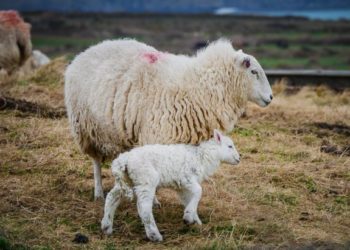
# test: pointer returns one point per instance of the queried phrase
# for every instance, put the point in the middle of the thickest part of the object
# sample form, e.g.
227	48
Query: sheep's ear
217	136
246	62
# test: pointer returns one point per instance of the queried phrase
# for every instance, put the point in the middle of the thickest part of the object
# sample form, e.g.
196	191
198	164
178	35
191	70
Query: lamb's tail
119	169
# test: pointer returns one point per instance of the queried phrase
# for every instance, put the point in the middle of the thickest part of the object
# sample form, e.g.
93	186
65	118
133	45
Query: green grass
309	183
335	62
291	156
295	35
331	62
244	132
270	63
273	198
62	41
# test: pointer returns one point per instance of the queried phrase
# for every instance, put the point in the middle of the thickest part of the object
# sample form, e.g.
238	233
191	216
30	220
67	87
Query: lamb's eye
230	146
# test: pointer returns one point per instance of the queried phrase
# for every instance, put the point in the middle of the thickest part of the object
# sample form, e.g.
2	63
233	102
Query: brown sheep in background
16	55
15	43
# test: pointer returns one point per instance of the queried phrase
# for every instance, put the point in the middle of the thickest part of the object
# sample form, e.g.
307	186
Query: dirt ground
291	189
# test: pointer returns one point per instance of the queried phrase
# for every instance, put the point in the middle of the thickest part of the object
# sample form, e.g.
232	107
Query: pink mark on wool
152	57
12	19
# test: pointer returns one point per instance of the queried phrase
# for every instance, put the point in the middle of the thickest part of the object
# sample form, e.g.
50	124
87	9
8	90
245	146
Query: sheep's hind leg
145	197
98	191
190	197
156	202
112	202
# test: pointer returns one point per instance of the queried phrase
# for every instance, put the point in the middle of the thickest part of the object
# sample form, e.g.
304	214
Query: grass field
285	193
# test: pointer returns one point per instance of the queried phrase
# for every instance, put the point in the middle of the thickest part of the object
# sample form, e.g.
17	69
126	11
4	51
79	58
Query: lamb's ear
217	136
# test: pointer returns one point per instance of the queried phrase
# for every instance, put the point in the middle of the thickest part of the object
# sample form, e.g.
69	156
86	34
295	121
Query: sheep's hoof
155	237
191	219
157	205
99	197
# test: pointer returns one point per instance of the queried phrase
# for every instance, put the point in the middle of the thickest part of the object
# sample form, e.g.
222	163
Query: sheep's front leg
145	197
98	192
191	196
112	202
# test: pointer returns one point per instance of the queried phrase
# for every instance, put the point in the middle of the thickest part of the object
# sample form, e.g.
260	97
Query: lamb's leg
112	202
98	192
191	196
145	196
156	202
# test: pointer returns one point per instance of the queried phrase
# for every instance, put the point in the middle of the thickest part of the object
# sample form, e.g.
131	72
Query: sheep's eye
254	72
230	146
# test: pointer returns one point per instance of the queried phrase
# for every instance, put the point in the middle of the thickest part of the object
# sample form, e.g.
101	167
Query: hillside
275	42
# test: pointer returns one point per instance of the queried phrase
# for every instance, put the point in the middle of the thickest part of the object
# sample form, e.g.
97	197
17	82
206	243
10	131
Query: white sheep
39	58
180	166
121	94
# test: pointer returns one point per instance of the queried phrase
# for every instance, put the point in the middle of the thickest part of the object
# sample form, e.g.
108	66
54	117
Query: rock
80	239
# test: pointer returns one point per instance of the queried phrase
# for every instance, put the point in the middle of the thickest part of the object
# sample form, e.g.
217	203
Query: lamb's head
226	150
259	90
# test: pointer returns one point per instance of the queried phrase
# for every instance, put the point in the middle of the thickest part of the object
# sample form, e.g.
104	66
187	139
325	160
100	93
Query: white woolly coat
170	165
116	98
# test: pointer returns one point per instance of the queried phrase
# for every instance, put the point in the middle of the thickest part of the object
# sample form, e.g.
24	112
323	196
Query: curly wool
124	93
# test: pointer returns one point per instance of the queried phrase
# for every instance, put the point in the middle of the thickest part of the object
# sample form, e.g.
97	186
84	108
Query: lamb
123	93
180	166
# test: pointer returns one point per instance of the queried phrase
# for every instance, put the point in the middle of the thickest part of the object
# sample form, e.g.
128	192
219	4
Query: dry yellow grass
284	194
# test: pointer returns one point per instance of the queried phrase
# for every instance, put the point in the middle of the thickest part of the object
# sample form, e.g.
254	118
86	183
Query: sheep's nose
271	97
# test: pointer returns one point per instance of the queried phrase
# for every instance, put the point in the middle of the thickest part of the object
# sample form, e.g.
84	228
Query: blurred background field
278	42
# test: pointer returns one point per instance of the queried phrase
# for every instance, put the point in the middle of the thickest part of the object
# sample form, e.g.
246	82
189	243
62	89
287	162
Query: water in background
311	14
314	14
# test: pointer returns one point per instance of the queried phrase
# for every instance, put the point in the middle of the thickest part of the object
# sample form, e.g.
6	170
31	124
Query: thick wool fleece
124	93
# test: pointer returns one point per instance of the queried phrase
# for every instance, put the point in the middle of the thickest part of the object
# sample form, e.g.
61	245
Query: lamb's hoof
106	227
155	237
189	219
198	221
107	230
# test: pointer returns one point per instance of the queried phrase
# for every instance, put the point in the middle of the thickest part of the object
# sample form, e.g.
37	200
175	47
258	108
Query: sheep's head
259	90
226	149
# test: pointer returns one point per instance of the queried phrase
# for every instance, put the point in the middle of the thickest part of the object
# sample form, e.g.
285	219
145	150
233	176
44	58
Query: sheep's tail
119	170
